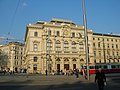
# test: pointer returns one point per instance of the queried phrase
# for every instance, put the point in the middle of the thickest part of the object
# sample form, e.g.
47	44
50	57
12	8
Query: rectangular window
35	34
98	44
73	34
34	68
58	33
93	44
35	59
35	47
94	53
108	46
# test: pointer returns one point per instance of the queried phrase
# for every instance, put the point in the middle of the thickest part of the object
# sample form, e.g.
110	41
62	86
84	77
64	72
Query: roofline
110	35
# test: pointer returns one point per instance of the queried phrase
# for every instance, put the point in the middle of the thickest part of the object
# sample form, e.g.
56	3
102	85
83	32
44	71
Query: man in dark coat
100	78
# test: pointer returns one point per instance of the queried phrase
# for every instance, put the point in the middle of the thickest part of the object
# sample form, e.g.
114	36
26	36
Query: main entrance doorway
74	66
58	67
66	66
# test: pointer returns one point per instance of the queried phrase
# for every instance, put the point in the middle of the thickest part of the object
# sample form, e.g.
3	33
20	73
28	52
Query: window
95	61
35	34
98	44
49	45
58	33
73	34
112	45
49	32
79	35
94	53
58	45
35	67
73	45
108	46
35	59
116	46
93	44
113	53
117	54
35	47
105	66
108	52
66	45
100	53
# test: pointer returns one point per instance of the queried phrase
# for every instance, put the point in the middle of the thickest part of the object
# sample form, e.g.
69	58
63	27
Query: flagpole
86	38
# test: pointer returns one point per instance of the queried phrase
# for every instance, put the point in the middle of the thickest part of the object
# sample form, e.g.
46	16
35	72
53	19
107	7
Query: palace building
56	45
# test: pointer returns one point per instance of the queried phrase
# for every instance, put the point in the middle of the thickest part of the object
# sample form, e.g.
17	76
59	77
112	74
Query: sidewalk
43	80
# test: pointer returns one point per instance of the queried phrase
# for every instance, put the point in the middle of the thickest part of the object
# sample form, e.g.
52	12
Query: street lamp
104	49
103	44
86	39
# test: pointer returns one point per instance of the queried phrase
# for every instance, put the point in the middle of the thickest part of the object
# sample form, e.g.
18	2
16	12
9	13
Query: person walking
46	72
100	79
77	73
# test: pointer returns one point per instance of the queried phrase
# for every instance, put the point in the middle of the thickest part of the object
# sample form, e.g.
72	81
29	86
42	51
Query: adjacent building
11	56
106	48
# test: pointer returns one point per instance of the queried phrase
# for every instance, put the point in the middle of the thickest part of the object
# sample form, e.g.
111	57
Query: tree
3	59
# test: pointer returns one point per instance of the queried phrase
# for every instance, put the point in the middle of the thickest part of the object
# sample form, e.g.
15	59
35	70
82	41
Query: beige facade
106	48
12	53
56	45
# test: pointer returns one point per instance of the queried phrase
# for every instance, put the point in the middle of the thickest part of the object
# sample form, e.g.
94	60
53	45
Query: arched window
73	43
66	46
58	45
57	42
49	45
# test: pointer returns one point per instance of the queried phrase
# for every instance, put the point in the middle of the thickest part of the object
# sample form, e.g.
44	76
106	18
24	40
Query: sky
103	16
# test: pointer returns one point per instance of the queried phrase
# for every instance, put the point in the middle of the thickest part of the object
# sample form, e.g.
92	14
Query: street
58	82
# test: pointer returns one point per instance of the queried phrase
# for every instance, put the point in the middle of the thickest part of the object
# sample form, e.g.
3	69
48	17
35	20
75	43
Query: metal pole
48	52
86	39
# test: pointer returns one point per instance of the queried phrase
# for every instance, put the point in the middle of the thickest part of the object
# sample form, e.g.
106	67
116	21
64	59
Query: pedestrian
77	73
100	79
46	72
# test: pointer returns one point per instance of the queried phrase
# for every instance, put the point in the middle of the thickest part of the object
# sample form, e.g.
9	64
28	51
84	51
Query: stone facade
106	48
56	45
11	56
